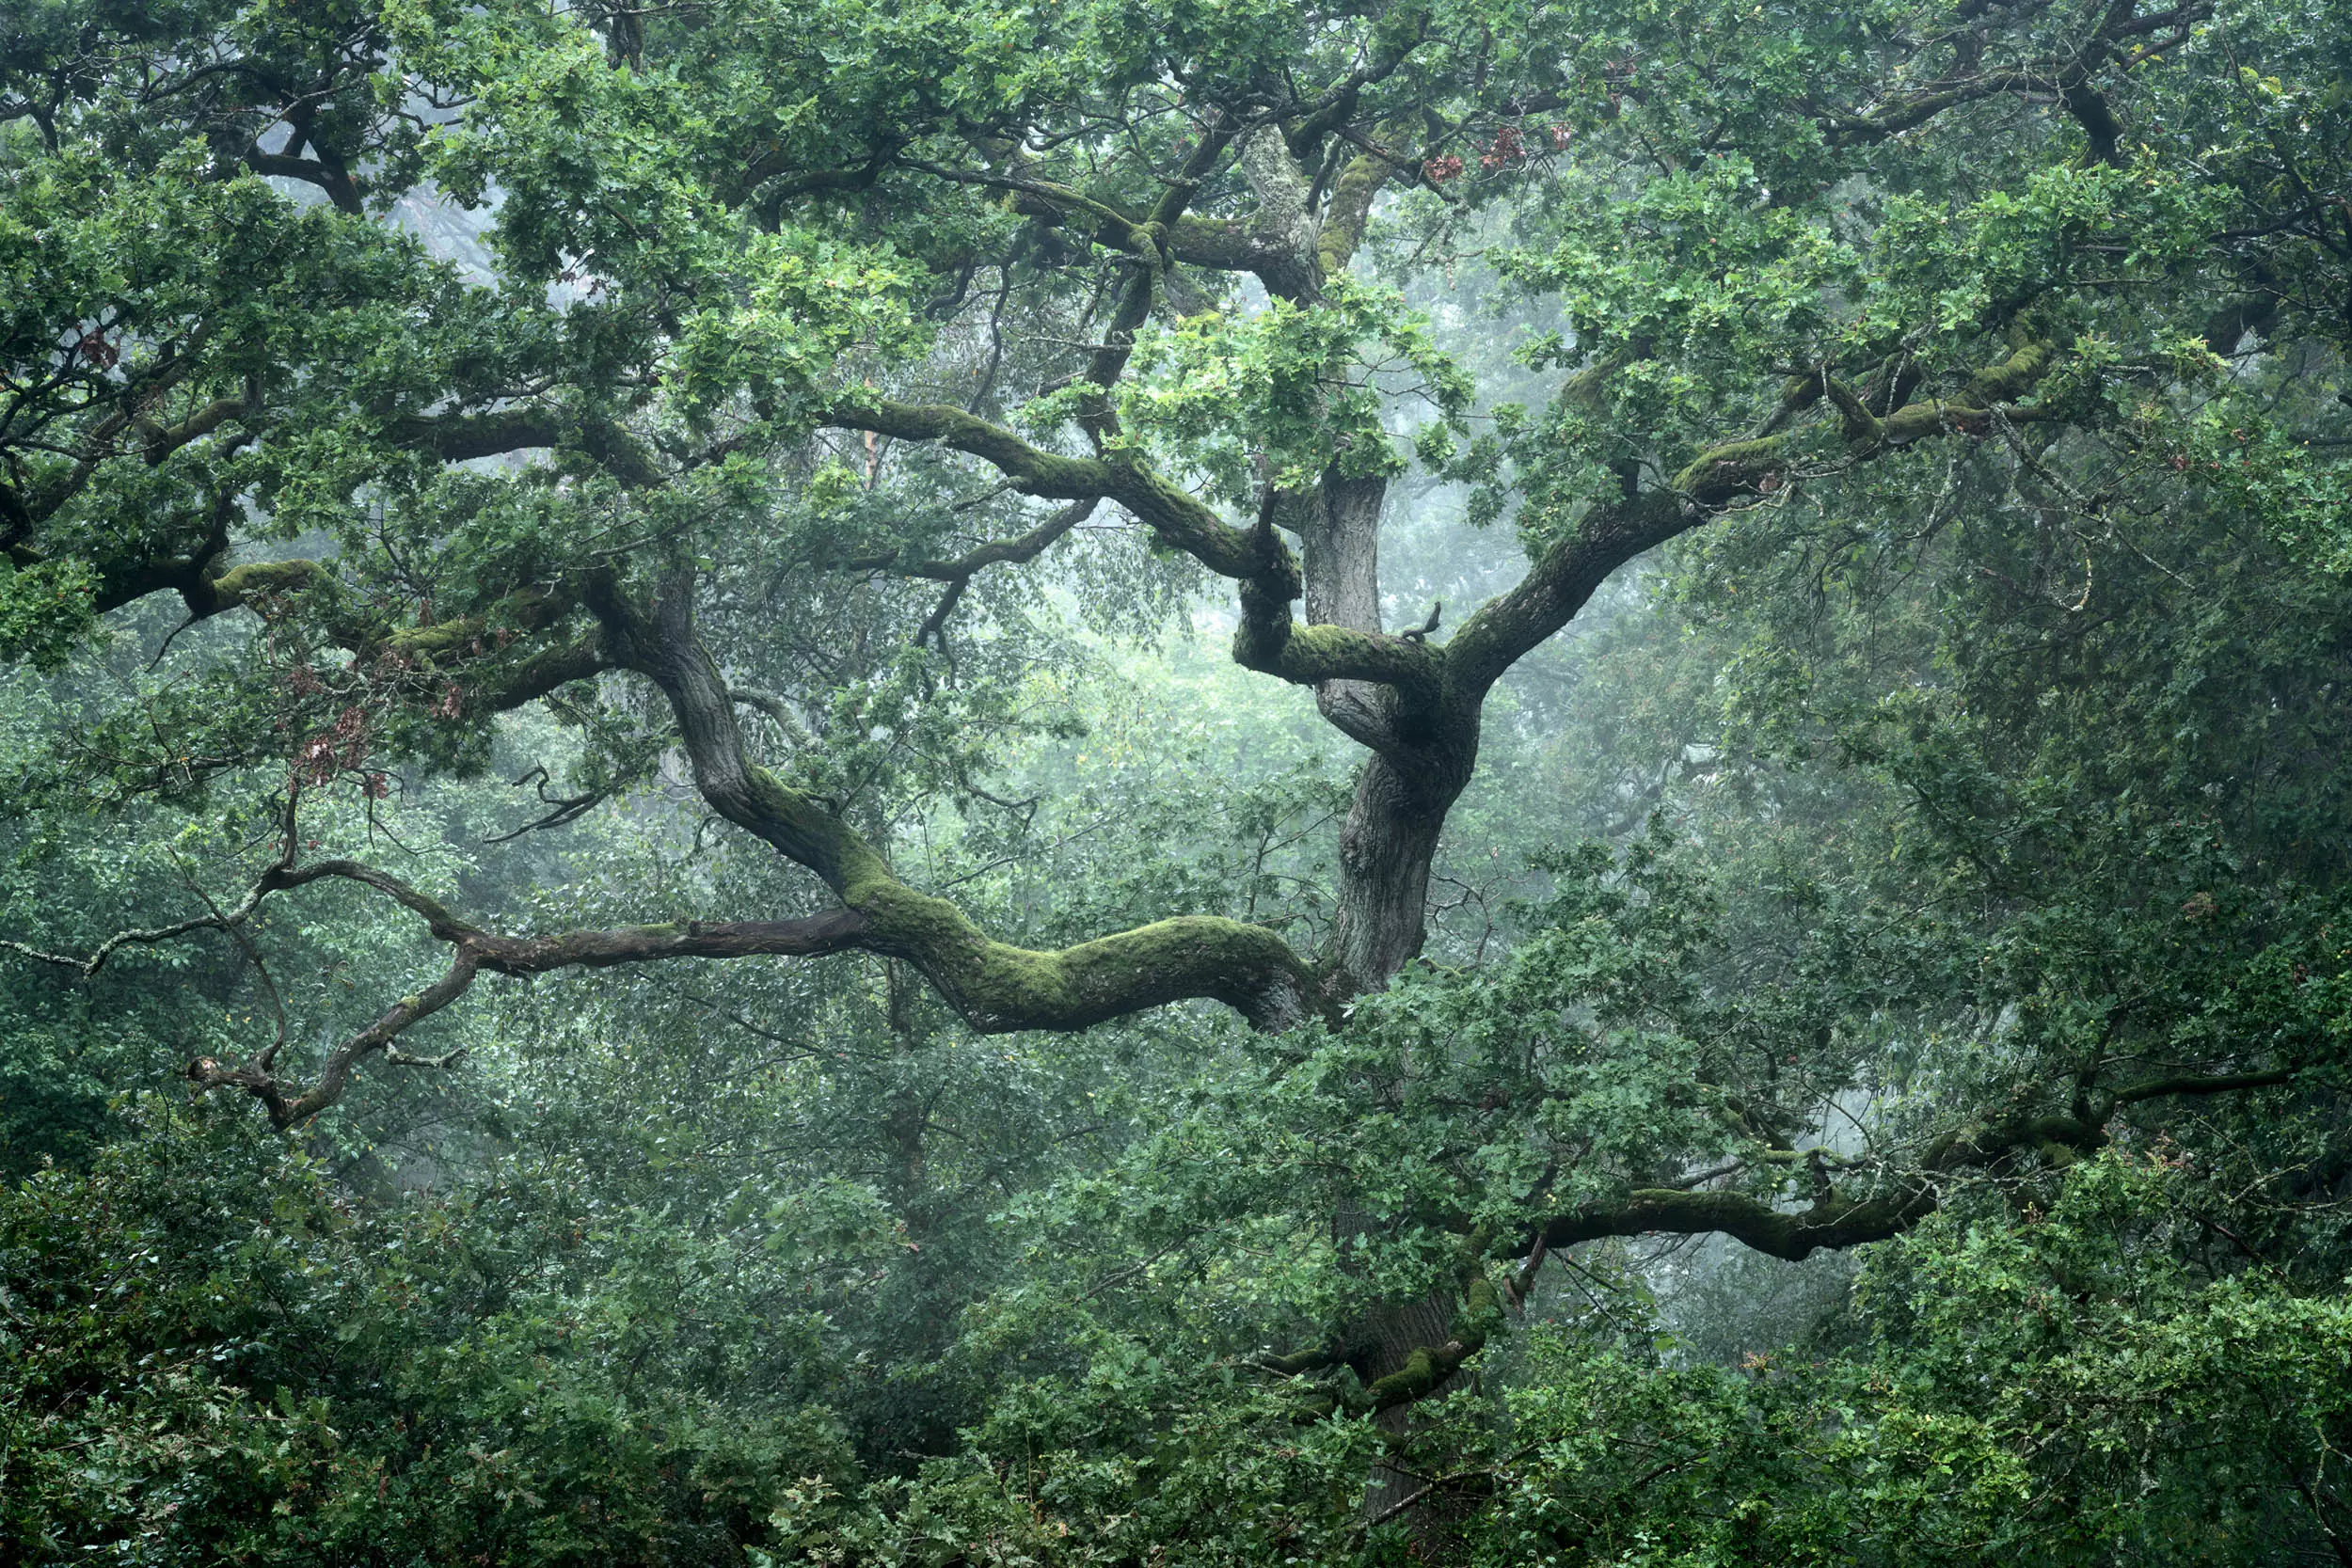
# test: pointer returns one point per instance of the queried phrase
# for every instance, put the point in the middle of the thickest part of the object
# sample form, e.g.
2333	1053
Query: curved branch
2069	75
1507	627
1831	1222
477	950
462	437
957	573
993	985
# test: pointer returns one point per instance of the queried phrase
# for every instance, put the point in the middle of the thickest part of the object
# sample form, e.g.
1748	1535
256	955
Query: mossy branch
995	986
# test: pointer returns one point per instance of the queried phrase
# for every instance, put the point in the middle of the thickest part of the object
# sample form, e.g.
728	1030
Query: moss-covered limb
1213	244
995	986
209	588
1797	394
1348	210
533	607
158	442
1429	1367
1217	245
1299	1363
495	681
240	584
1721	474
2029	359
1471	1320
814	936
1856	422
1267	639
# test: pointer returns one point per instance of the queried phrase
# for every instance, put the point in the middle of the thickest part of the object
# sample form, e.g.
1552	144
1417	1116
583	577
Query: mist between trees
957	784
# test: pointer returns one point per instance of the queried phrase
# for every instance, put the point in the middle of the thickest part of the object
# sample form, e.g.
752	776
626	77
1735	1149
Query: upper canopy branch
1510	626
1179	518
2067	75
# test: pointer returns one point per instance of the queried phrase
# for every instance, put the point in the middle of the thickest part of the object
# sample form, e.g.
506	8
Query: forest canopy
956	783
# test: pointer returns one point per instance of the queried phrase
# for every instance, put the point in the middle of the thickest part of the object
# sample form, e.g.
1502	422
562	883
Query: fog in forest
980	785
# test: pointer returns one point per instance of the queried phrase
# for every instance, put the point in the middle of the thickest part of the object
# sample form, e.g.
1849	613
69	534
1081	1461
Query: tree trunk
1423	759
1388	1337
1386	846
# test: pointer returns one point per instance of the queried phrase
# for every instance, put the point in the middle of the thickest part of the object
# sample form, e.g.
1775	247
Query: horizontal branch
475	951
1833	1222
1267	639
2189	1085
814	936
463	437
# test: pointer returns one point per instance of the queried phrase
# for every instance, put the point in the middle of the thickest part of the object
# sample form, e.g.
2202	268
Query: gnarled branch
995	986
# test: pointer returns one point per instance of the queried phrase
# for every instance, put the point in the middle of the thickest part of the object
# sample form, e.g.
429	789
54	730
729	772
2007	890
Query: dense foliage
964	784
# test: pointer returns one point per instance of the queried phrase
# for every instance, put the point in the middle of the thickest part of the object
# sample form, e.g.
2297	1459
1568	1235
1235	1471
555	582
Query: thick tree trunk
1405	788
1339	531
1386	847
1388	1338
1423	761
